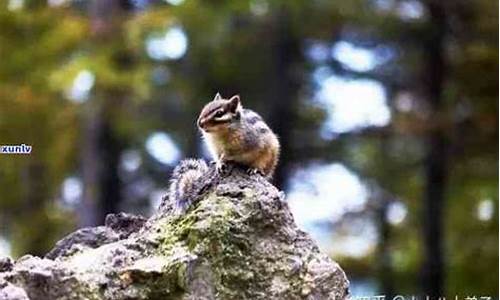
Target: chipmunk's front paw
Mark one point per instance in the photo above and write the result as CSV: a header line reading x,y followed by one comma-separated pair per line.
x,y
254,171
223,169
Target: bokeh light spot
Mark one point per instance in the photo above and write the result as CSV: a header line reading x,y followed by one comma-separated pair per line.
x,y
174,2
162,148
324,193
353,104
259,7
172,45
396,213
5,247
485,210
355,58
81,87
15,5
130,160
72,190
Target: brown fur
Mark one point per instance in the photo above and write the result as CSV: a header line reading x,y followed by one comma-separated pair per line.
x,y
240,135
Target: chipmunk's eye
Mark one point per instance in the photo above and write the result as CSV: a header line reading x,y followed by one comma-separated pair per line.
x,y
219,113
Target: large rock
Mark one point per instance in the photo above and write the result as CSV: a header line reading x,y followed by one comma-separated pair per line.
x,y
238,241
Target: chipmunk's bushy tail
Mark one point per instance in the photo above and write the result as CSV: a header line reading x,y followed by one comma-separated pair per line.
x,y
186,182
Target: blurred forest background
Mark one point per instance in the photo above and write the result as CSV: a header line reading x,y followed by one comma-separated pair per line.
x,y
387,111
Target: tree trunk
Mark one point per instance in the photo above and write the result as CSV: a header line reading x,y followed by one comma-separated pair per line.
x,y
110,185
283,88
436,158
89,207
101,147
35,226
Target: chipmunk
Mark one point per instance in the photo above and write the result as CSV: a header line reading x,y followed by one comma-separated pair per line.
x,y
238,135
233,134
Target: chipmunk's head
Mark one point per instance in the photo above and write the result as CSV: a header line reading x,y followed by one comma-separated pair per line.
x,y
219,113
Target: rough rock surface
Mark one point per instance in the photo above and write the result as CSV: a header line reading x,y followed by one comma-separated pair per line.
x,y
238,241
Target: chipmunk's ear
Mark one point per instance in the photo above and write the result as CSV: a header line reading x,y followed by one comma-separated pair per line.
x,y
234,103
217,97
